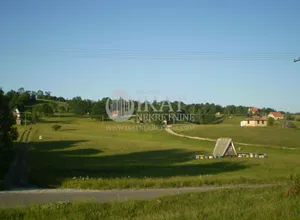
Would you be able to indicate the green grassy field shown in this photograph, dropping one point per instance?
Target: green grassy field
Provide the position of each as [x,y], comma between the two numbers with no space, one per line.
[273,136]
[97,155]
[263,203]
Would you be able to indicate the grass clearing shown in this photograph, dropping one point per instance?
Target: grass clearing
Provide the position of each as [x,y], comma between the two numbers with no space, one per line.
[89,154]
[270,136]
[260,203]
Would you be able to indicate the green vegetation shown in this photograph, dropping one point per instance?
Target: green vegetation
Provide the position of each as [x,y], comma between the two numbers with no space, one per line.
[13,133]
[43,109]
[290,117]
[262,203]
[39,104]
[56,127]
[269,136]
[7,136]
[107,155]
[271,121]
[93,154]
[7,157]
[294,188]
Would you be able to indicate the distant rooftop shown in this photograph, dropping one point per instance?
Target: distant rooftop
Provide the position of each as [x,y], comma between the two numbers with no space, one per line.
[276,114]
[256,118]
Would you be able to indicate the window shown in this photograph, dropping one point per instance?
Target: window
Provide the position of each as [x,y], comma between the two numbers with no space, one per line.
[248,122]
[258,122]
[262,122]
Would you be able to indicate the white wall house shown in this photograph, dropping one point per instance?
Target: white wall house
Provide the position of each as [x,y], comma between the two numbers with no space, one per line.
[276,115]
[17,116]
[254,122]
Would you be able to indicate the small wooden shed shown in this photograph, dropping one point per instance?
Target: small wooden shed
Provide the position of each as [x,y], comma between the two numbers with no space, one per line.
[224,147]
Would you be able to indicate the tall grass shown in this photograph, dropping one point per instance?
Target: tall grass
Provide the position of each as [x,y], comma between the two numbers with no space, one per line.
[262,203]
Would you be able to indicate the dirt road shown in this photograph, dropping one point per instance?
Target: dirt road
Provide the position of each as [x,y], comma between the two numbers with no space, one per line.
[17,174]
[41,196]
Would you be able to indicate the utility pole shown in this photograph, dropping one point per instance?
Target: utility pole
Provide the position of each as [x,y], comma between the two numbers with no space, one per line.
[296,60]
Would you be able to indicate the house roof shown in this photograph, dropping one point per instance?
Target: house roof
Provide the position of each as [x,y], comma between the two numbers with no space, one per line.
[254,109]
[276,114]
[256,119]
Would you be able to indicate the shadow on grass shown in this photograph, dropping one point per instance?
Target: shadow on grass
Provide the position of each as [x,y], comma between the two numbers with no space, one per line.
[52,162]
[56,121]
[48,146]
[68,129]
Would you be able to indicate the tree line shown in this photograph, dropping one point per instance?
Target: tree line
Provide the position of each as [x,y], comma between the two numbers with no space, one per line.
[206,113]
[7,134]
[40,103]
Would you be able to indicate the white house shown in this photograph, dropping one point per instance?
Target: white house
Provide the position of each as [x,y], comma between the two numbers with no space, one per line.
[17,116]
[254,122]
[276,115]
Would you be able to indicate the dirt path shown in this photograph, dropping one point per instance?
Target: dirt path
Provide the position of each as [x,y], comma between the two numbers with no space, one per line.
[42,196]
[169,130]
[17,174]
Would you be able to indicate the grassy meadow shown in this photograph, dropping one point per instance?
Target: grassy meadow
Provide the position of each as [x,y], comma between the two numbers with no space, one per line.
[91,154]
[270,136]
[260,203]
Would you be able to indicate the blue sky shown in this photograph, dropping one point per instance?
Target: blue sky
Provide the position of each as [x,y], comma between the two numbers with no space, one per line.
[226,52]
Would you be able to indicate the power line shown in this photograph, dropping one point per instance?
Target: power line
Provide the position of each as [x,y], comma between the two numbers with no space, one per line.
[133,54]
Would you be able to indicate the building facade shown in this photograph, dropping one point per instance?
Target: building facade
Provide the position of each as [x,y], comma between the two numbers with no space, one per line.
[276,115]
[254,122]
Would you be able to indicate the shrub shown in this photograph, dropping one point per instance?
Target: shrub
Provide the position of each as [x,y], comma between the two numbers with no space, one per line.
[294,188]
[61,109]
[34,116]
[290,117]
[289,124]
[44,109]
[218,121]
[271,121]
[13,133]
[56,127]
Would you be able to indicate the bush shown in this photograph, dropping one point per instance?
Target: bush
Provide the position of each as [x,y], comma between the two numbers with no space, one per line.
[13,133]
[271,121]
[290,117]
[44,109]
[34,116]
[218,121]
[294,188]
[61,109]
[56,127]
[289,124]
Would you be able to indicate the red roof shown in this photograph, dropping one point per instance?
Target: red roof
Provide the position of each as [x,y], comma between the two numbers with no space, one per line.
[276,114]
[255,118]
[254,109]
